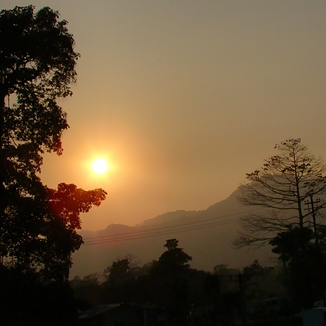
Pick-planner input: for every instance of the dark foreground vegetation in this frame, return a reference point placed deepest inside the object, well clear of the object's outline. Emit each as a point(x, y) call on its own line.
point(38, 225)
point(168, 291)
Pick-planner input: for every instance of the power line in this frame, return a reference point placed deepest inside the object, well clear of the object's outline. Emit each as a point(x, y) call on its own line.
point(146, 234)
point(158, 231)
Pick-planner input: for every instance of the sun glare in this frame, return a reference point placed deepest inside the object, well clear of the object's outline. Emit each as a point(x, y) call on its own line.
point(100, 166)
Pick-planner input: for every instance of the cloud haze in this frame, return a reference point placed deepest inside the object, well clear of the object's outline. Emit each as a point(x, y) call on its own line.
point(185, 97)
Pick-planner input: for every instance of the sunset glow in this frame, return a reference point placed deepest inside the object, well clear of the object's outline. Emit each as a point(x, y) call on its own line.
point(171, 98)
point(100, 166)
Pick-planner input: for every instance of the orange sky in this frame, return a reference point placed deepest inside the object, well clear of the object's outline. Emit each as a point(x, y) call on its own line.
point(183, 97)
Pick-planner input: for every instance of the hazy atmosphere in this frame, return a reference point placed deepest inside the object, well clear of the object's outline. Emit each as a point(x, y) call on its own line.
point(184, 97)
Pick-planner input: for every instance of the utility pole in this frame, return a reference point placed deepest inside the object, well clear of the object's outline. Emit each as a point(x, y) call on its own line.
point(312, 209)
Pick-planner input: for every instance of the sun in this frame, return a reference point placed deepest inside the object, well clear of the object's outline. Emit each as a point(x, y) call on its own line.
point(100, 166)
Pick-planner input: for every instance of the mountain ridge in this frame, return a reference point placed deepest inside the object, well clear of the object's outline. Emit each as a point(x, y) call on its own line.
point(206, 235)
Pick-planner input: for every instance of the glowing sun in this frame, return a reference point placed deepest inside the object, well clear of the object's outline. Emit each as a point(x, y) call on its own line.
point(100, 166)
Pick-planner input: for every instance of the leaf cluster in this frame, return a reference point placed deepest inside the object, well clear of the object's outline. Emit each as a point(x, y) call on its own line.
point(38, 225)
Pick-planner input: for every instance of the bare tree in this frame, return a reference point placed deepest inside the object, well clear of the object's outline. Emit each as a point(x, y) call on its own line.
point(281, 188)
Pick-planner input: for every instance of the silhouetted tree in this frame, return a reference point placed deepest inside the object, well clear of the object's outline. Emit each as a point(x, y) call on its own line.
point(252, 278)
point(87, 291)
point(289, 243)
point(118, 277)
point(170, 274)
point(37, 224)
point(228, 278)
point(281, 186)
point(118, 272)
point(125, 281)
point(304, 265)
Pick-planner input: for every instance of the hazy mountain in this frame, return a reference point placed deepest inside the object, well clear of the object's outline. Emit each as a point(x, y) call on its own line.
point(205, 235)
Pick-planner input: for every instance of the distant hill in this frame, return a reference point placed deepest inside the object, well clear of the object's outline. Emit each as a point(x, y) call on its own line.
point(205, 235)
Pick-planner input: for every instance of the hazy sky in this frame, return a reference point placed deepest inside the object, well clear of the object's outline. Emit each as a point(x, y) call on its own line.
point(183, 97)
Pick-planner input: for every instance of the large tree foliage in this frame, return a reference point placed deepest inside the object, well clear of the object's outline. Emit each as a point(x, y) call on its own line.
point(37, 67)
point(285, 184)
point(304, 263)
point(38, 225)
point(281, 187)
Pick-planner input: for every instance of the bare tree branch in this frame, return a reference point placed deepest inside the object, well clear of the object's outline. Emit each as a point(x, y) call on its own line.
point(281, 186)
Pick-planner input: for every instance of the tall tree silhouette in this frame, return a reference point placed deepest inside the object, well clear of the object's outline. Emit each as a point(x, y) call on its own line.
point(37, 224)
point(282, 186)
point(170, 275)
point(285, 181)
